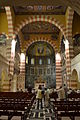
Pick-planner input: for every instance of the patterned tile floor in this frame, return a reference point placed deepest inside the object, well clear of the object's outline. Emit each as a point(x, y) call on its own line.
point(41, 114)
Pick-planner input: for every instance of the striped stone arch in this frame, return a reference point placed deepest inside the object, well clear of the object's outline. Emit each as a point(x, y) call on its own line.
point(36, 39)
point(43, 18)
point(10, 22)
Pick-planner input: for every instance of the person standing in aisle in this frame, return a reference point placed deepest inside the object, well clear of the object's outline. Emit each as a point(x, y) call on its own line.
point(39, 97)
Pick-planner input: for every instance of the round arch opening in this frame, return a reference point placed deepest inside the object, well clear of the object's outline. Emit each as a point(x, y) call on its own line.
point(40, 65)
point(74, 81)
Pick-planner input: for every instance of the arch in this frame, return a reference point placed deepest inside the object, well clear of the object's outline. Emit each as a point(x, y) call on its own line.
point(10, 22)
point(45, 39)
point(74, 74)
point(43, 18)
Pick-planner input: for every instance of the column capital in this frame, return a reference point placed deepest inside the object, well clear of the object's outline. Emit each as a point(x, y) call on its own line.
point(58, 56)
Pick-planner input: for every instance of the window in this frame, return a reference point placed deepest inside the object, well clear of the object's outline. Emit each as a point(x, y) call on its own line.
point(32, 61)
point(49, 61)
point(26, 59)
point(40, 61)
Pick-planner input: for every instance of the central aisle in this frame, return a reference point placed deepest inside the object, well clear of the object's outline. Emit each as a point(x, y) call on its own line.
point(41, 114)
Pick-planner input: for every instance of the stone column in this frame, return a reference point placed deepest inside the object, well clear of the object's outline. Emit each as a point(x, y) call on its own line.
point(13, 44)
point(68, 62)
point(21, 78)
point(58, 71)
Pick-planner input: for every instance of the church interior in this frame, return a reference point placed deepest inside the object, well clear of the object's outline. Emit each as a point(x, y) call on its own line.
point(39, 46)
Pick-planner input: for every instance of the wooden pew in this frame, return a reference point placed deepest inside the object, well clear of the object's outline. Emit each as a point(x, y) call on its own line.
point(15, 104)
point(67, 109)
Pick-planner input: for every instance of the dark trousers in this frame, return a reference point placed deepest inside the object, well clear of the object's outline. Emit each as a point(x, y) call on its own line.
point(39, 101)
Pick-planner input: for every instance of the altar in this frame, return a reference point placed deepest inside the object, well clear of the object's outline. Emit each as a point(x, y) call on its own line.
point(38, 82)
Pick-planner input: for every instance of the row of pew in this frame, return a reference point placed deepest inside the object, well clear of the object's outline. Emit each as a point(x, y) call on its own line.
point(72, 96)
point(16, 104)
point(66, 108)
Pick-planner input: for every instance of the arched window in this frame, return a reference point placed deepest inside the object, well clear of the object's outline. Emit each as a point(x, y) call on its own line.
point(49, 61)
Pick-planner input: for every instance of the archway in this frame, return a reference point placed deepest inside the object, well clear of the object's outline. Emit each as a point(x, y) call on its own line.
point(74, 79)
point(40, 63)
point(42, 18)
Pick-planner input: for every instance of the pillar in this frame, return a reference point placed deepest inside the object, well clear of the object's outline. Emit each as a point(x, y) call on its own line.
point(68, 62)
point(58, 71)
point(21, 78)
point(13, 44)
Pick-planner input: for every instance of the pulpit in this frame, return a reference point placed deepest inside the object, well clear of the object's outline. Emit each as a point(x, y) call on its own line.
point(38, 82)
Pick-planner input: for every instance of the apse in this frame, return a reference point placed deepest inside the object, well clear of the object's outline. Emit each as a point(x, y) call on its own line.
point(40, 64)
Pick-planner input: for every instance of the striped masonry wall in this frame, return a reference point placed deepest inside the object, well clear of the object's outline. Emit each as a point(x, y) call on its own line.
point(58, 73)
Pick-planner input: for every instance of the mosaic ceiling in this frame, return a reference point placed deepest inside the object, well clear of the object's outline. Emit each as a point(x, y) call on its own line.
point(58, 10)
point(40, 28)
point(40, 49)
